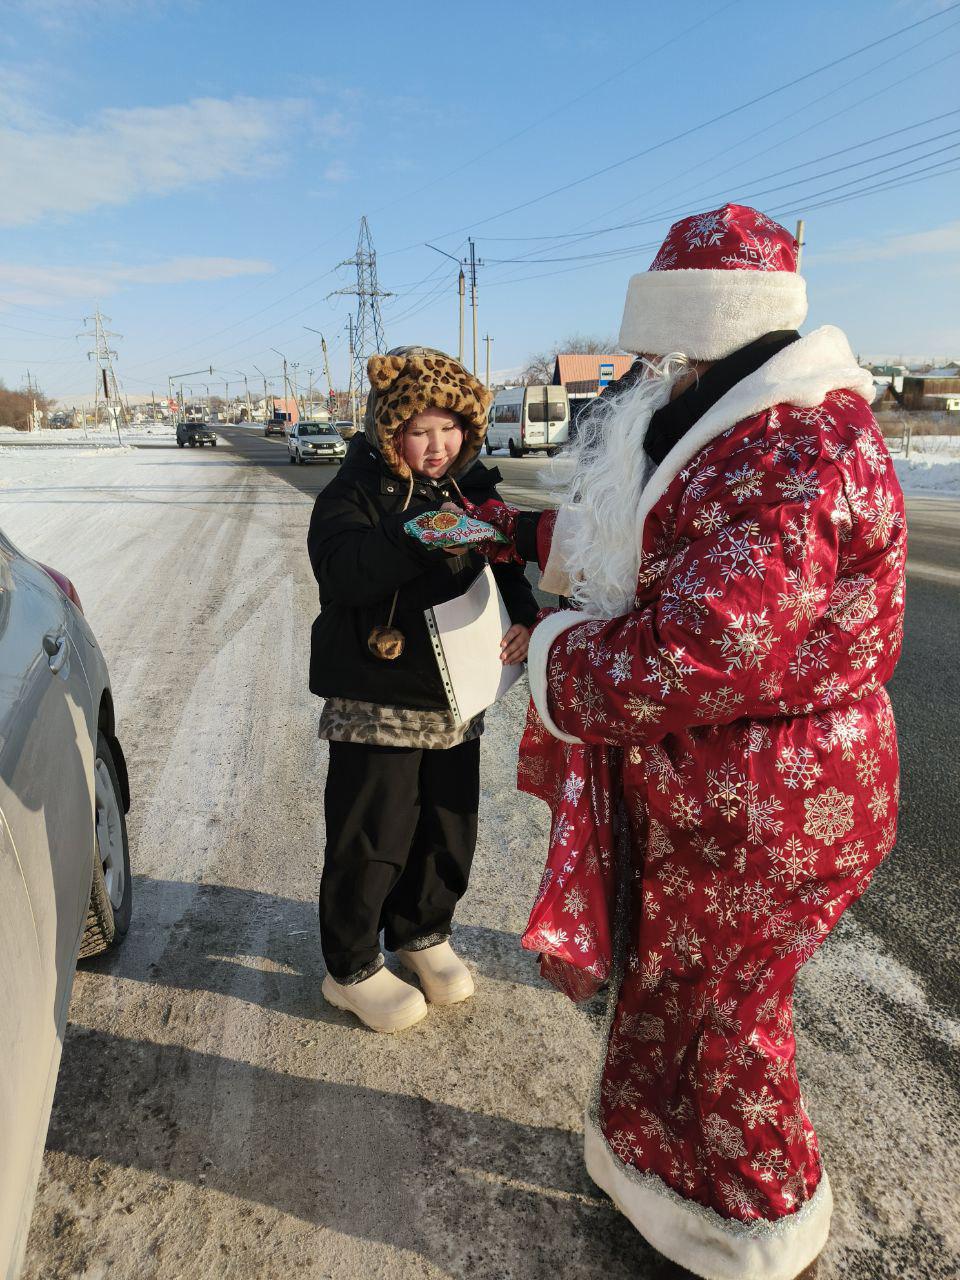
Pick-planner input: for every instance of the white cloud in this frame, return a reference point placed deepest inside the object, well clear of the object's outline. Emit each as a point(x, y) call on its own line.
point(943, 241)
point(28, 285)
point(49, 167)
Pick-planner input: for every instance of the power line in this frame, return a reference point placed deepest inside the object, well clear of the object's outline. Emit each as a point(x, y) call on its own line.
point(686, 133)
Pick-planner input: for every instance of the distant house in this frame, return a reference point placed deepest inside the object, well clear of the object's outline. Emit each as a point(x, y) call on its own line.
point(930, 390)
point(581, 375)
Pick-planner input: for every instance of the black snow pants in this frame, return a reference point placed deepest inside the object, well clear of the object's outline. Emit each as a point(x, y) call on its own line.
point(401, 833)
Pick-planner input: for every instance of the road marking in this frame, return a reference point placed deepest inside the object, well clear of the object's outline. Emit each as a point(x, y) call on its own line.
point(933, 572)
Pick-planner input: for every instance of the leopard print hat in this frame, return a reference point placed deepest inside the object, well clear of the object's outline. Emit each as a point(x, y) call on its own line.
point(408, 380)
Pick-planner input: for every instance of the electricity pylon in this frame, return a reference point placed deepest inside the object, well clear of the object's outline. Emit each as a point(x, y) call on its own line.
point(368, 328)
point(106, 381)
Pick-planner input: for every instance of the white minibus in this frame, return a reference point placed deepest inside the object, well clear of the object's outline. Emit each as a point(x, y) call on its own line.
point(524, 419)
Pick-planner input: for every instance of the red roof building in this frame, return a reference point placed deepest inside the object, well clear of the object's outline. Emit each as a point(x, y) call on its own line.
point(581, 374)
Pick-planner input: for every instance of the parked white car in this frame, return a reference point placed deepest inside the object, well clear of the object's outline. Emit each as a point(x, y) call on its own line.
point(315, 442)
point(65, 879)
point(533, 419)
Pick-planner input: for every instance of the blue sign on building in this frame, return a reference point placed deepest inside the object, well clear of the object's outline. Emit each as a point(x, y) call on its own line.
point(606, 375)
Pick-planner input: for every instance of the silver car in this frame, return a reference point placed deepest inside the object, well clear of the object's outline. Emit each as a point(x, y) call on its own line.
point(65, 881)
point(315, 442)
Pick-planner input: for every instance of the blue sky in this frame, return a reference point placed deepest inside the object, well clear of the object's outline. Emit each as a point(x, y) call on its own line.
point(198, 168)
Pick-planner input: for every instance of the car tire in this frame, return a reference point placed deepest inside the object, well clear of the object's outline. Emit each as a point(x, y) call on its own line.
point(292, 458)
point(514, 451)
point(214, 443)
point(489, 447)
point(179, 444)
point(111, 905)
point(552, 452)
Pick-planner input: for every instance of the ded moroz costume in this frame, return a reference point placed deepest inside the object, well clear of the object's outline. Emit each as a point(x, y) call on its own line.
point(718, 750)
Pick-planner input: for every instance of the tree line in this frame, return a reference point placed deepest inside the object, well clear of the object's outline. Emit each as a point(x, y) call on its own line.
point(17, 406)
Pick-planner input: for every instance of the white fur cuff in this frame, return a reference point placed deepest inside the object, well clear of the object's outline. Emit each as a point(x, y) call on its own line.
point(698, 1238)
point(708, 314)
point(538, 655)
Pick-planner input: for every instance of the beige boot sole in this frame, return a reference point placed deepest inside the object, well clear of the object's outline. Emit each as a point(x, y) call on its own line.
point(386, 1026)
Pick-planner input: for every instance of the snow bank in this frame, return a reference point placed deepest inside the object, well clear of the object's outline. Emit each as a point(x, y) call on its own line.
point(929, 473)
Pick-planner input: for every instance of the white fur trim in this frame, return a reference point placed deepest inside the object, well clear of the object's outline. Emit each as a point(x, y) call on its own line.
point(554, 577)
point(708, 314)
point(701, 1240)
point(802, 374)
point(538, 655)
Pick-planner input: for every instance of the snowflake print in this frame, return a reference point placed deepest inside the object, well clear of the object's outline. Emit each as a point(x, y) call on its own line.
point(705, 229)
point(739, 551)
point(725, 789)
point(651, 971)
point(572, 789)
point(574, 903)
point(746, 482)
point(549, 939)
point(621, 668)
point(757, 900)
point(761, 815)
point(829, 815)
point(722, 1015)
point(619, 1094)
point(873, 451)
point(879, 803)
point(742, 1201)
point(645, 1027)
point(809, 655)
point(658, 842)
point(699, 484)
point(716, 705)
point(577, 638)
point(756, 254)
point(868, 768)
point(796, 535)
point(883, 519)
point(771, 1165)
point(745, 641)
point(831, 688)
point(802, 598)
point(585, 937)
point(563, 829)
point(659, 766)
point(643, 710)
point(723, 1138)
point(818, 418)
point(757, 1108)
point(665, 260)
point(794, 1189)
point(788, 448)
point(685, 811)
point(683, 600)
point(669, 671)
point(709, 850)
point(799, 768)
point(800, 486)
point(685, 943)
point(710, 518)
point(853, 601)
point(792, 864)
point(586, 701)
point(675, 880)
point(625, 1146)
point(867, 649)
point(802, 939)
point(841, 728)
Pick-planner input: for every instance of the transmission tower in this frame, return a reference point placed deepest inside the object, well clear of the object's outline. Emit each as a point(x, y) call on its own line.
point(368, 327)
point(106, 381)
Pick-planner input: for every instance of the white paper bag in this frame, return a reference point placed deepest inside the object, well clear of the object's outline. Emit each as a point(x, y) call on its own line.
point(466, 634)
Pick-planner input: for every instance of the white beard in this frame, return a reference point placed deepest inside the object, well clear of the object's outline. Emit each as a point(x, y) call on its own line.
point(610, 470)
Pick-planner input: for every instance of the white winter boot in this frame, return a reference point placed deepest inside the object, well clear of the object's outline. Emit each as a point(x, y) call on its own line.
point(443, 975)
point(382, 1002)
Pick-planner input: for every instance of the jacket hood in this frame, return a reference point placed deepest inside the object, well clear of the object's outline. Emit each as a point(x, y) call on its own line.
point(408, 380)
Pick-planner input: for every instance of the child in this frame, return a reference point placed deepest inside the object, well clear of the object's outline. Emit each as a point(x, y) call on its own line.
point(403, 783)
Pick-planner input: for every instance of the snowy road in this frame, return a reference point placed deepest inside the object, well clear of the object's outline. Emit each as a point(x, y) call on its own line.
point(215, 1119)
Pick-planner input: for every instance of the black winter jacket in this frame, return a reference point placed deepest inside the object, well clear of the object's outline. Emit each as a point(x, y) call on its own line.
point(361, 556)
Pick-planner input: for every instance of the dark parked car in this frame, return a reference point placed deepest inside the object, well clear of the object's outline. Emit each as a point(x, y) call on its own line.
point(195, 433)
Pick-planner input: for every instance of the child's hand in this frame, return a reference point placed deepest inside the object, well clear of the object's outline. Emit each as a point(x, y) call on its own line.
point(514, 646)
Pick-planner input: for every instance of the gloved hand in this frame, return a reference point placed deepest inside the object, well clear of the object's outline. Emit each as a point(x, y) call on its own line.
point(504, 520)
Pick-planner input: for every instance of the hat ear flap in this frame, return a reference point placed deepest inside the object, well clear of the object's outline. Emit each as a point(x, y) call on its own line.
point(383, 370)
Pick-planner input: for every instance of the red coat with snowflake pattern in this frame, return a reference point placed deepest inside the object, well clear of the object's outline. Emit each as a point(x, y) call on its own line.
point(738, 721)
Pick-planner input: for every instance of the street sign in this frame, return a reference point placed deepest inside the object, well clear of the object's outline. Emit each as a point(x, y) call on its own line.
point(606, 375)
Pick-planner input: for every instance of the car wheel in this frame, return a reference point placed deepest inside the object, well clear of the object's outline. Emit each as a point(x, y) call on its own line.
point(111, 890)
point(292, 458)
point(514, 451)
point(214, 443)
point(489, 448)
point(179, 444)
point(552, 453)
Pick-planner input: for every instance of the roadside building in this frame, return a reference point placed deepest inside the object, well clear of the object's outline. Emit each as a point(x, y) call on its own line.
point(932, 390)
point(585, 376)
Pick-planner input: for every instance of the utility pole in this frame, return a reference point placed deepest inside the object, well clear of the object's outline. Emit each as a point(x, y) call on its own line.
point(264, 377)
point(800, 225)
point(246, 392)
point(104, 356)
point(473, 298)
point(177, 377)
point(326, 369)
point(472, 262)
point(354, 414)
point(487, 339)
point(368, 331)
point(286, 387)
point(462, 290)
point(310, 373)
